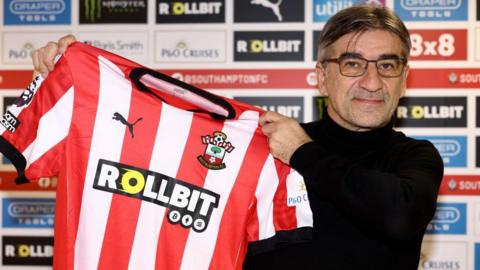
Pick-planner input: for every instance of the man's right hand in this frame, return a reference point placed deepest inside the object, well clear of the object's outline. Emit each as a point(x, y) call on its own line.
point(43, 58)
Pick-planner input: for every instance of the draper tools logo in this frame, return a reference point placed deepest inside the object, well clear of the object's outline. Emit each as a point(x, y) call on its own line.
point(28, 12)
point(269, 46)
point(190, 11)
point(453, 149)
point(269, 11)
point(28, 213)
point(188, 205)
point(23, 250)
point(216, 146)
point(113, 11)
point(432, 112)
point(454, 10)
point(450, 218)
point(324, 9)
point(288, 106)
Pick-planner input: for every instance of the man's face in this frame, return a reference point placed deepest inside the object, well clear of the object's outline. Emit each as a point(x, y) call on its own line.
point(368, 101)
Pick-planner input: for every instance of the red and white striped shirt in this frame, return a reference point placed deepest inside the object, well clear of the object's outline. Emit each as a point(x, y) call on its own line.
point(153, 173)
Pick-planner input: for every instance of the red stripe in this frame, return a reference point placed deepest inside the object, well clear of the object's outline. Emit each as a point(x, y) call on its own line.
point(232, 238)
point(284, 217)
point(69, 195)
point(124, 211)
point(173, 237)
point(253, 224)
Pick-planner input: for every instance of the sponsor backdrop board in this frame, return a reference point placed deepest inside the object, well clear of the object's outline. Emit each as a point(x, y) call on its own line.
point(262, 52)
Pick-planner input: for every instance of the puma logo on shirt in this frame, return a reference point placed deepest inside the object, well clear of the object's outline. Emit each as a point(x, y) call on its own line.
point(119, 117)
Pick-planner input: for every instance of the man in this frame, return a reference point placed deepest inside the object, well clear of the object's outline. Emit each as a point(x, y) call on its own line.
point(372, 190)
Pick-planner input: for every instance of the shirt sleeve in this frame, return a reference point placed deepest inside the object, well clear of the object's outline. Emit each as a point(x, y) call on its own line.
point(33, 129)
point(282, 213)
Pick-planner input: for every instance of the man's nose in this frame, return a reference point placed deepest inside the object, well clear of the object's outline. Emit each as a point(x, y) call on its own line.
point(371, 80)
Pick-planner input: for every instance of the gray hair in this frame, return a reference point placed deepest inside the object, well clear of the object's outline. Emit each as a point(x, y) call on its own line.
point(361, 18)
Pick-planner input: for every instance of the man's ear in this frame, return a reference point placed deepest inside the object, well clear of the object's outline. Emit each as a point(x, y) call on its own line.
point(321, 78)
point(404, 84)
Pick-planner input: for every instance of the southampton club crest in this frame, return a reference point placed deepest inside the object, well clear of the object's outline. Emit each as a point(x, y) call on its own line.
point(217, 147)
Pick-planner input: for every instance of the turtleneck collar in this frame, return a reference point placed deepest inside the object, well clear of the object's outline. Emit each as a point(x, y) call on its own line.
point(329, 131)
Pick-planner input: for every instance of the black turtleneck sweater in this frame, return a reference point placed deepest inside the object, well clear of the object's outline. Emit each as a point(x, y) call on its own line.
point(372, 195)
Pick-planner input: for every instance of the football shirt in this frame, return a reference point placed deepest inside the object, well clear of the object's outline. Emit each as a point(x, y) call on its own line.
point(153, 173)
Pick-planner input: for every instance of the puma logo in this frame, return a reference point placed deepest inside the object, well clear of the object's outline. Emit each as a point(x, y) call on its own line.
point(275, 7)
point(119, 117)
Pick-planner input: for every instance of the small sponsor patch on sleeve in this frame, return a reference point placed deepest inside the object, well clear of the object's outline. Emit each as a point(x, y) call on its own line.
point(27, 95)
point(10, 122)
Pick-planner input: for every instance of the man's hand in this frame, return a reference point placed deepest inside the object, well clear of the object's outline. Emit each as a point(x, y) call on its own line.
point(43, 58)
point(284, 134)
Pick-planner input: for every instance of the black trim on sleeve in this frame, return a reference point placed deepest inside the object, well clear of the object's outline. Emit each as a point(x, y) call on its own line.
point(280, 240)
point(137, 73)
point(17, 159)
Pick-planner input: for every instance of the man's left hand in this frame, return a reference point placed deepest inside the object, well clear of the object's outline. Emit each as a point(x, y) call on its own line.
point(284, 134)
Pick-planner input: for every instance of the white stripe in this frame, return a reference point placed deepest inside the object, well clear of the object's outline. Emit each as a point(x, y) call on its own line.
point(265, 193)
point(200, 246)
point(107, 141)
point(297, 193)
point(172, 135)
point(52, 128)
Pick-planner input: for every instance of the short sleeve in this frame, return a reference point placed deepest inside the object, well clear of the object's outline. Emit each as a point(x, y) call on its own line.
point(282, 213)
point(33, 129)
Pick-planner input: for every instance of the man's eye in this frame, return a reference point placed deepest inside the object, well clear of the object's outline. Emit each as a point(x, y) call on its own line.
point(389, 65)
point(351, 64)
point(386, 66)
